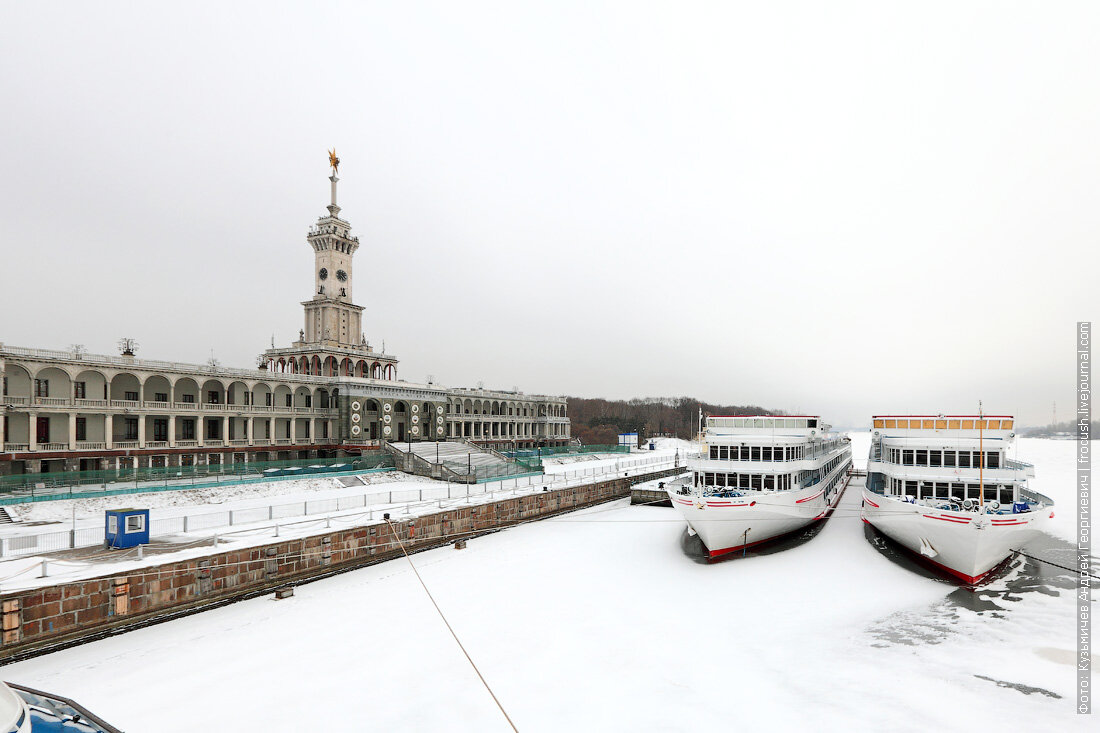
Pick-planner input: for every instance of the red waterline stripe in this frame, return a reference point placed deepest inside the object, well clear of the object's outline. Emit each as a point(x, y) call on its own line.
point(727, 550)
point(870, 502)
point(968, 579)
point(809, 498)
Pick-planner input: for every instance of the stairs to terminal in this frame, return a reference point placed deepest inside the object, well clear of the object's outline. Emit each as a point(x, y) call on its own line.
point(453, 461)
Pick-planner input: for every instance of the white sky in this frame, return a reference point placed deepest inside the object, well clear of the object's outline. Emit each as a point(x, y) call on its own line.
point(844, 208)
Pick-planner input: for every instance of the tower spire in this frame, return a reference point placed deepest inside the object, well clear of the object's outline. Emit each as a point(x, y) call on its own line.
point(334, 163)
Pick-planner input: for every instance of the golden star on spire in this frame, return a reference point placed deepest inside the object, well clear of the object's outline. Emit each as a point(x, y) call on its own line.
point(334, 161)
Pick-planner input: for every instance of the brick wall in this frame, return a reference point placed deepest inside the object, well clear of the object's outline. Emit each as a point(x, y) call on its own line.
point(63, 614)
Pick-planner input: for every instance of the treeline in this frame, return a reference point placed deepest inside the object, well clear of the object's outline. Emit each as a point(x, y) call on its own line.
point(1062, 429)
point(598, 421)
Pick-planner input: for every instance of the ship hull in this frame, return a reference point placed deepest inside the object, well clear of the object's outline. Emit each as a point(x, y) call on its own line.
point(728, 525)
point(965, 545)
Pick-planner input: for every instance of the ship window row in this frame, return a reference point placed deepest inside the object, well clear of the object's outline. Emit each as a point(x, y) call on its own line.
point(772, 453)
point(817, 474)
point(945, 458)
point(755, 453)
point(944, 424)
point(748, 481)
point(944, 490)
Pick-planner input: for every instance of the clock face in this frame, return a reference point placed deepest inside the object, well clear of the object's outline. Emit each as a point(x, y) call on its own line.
point(341, 275)
point(323, 274)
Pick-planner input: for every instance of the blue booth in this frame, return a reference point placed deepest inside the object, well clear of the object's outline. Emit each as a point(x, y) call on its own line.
point(127, 528)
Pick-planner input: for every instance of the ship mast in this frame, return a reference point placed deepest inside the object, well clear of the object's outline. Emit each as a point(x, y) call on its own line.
point(981, 459)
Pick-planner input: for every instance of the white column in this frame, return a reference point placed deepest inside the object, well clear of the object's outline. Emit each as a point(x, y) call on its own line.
point(172, 431)
point(141, 431)
point(72, 431)
point(250, 427)
point(109, 430)
point(32, 432)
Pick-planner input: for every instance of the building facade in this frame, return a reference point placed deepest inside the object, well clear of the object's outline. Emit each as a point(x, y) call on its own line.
point(327, 394)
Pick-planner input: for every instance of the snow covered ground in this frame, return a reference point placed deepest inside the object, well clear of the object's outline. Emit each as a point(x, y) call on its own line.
point(175, 503)
point(602, 620)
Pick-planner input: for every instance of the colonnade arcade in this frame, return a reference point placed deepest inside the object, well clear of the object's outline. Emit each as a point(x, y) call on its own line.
point(74, 408)
point(333, 367)
point(506, 420)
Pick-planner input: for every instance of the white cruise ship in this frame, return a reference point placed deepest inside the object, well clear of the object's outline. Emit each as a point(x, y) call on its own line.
point(944, 487)
point(761, 476)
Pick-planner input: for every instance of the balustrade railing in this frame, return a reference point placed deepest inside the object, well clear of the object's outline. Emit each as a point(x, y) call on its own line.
point(154, 365)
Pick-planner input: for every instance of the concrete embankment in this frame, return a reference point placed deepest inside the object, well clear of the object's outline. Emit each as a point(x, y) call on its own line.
point(46, 618)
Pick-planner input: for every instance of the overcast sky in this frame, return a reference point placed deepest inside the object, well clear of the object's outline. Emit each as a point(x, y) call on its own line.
point(839, 208)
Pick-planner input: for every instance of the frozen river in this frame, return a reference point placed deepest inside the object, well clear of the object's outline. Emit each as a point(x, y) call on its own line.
point(606, 620)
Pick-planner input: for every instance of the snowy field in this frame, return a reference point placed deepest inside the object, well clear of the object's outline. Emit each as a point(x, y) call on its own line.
point(606, 620)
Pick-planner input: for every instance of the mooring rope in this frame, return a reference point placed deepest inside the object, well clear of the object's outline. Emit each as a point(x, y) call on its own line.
point(1063, 567)
point(449, 628)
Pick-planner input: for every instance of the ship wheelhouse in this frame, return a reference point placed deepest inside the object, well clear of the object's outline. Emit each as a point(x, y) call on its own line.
point(766, 453)
point(953, 459)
